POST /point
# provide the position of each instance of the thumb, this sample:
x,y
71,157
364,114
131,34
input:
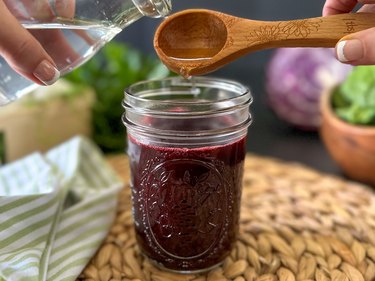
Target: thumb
x,y
23,52
357,48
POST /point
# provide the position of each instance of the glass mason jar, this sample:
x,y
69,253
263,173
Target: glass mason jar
x,y
71,31
186,147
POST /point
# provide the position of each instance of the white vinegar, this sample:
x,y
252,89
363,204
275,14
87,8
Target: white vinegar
x,y
72,44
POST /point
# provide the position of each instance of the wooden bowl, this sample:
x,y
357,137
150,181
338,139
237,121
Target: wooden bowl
x,y
351,146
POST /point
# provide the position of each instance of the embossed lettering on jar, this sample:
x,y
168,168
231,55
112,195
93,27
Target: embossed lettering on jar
x,y
186,146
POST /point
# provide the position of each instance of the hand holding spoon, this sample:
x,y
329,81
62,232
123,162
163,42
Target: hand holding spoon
x,y
194,42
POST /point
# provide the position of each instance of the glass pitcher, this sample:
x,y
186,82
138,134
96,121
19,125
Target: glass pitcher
x,y
71,31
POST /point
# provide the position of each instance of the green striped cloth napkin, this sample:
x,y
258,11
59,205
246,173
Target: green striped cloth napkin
x,y
55,211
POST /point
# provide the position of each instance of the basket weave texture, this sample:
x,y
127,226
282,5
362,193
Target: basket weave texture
x,y
296,224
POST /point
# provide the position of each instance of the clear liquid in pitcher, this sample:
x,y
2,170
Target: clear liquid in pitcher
x,y
69,43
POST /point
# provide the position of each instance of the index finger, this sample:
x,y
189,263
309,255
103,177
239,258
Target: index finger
x,y
332,7
65,8
26,9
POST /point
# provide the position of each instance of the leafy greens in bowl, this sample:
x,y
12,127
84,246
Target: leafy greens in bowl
x,y
354,100
348,124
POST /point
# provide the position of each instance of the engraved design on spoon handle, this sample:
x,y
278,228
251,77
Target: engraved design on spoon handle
x,y
299,28
337,26
313,32
275,31
229,20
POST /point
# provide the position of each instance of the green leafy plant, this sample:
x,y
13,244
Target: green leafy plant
x,y
354,100
114,68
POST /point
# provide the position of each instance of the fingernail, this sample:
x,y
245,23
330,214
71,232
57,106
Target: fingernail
x,y
46,73
349,50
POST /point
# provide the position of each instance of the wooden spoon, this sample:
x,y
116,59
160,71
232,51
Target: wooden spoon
x,y
194,42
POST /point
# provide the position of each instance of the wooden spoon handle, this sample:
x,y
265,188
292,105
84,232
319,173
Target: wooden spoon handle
x,y
312,32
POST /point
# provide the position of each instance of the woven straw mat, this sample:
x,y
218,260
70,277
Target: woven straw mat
x,y
296,224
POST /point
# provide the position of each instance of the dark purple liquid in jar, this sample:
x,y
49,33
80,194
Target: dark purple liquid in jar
x,y
186,202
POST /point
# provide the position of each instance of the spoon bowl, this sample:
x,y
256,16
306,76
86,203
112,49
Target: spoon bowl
x,y
199,35
198,41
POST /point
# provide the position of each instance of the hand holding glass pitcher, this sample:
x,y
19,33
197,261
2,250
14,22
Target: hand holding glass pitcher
x,y
21,48
43,39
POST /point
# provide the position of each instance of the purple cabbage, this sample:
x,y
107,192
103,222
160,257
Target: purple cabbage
x,y
295,80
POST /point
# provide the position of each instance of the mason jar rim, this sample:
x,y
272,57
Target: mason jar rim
x,y
139,94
